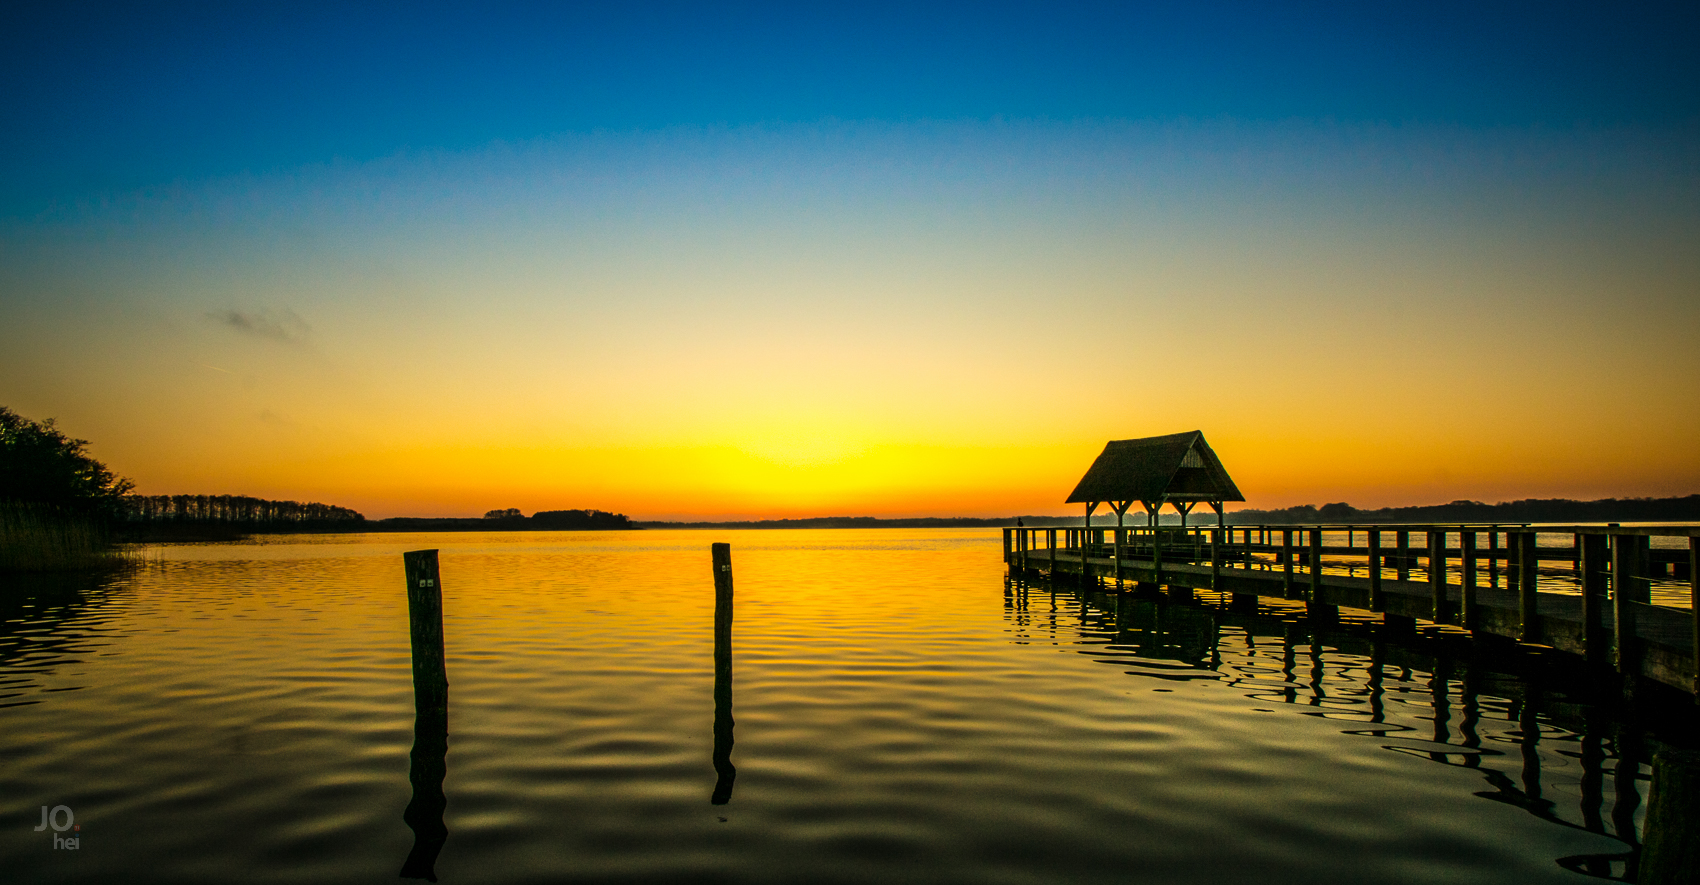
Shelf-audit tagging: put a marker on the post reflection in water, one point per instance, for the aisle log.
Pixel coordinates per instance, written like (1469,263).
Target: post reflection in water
(726,773)
(1384,690)
(424,814)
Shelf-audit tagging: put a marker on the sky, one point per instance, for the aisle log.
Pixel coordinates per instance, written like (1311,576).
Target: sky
(751,261)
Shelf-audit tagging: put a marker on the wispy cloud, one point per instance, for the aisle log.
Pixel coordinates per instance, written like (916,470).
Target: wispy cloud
(284,326)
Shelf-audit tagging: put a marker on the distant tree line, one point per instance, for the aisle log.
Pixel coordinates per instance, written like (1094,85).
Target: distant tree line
(1553,510)
(508,520)
(240,511)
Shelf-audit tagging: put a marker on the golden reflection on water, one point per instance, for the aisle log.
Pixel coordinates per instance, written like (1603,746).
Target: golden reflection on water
(245,710)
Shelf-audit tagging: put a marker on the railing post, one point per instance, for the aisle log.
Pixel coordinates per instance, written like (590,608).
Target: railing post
(1315,565)
(1467,583)
(1437,573)
(1493,557)
(1287,563)
(1527,572)
(1694,607)
(1216,559)
(1376,603)
(1623,580)
(1403,540)
(1051,549)
(1595,555)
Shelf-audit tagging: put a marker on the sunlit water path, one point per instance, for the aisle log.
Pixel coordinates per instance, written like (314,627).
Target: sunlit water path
(244,712)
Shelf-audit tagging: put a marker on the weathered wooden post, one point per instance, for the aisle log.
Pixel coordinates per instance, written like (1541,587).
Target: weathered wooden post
(425,616)
(721,557)
(428,761)
(1006,534)
(1051,550)
(1467,583)
(1376,603)
(1596,645)
(1437,574)
(1670,853)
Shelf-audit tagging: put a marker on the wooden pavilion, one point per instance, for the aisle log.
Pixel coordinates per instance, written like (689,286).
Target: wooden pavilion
(1179,470)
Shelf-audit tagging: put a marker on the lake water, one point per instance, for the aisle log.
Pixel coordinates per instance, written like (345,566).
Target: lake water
(244,712)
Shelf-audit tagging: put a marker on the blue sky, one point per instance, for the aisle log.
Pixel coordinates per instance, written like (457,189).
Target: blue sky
(112,98)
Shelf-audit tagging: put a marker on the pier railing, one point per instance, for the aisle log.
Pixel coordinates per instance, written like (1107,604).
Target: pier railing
(1624,597)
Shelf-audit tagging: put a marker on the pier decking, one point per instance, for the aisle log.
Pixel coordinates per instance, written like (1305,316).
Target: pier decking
(1592,597)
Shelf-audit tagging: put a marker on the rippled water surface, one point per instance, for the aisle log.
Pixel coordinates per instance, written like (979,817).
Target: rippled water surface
(244,712)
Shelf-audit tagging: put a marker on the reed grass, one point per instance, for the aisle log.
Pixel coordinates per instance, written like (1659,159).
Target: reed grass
(34,538)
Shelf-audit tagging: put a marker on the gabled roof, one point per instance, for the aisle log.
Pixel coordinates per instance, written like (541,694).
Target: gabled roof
(1177,467)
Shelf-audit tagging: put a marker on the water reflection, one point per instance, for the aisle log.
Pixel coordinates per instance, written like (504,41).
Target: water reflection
(1426,701)
(424,814)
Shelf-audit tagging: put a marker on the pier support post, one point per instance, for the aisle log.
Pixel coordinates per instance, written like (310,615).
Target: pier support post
(725,772)
(1669,852)
(1376,603)
(1051,550)
(1596,645)
(1006,533)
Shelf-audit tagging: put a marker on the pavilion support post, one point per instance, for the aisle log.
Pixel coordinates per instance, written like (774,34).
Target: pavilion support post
(1376,602)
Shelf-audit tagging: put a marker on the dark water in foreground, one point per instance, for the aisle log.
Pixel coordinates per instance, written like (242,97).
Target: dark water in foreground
(244,712)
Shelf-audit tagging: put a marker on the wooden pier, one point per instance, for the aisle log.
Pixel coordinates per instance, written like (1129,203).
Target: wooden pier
(1590,595)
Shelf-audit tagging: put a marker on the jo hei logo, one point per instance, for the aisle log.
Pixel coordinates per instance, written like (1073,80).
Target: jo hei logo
(52,819)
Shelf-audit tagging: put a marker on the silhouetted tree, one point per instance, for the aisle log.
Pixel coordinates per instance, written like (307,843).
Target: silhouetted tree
(41,465)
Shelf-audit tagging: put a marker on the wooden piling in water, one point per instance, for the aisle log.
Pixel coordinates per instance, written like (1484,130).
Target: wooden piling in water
(725,772)
(425,618)
(428,760)
(1596,644)
(1528,570)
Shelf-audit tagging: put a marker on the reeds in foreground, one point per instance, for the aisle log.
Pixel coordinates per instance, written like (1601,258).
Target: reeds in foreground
(34,538)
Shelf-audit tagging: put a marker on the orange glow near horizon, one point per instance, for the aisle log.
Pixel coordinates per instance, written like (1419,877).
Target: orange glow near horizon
(869,328)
